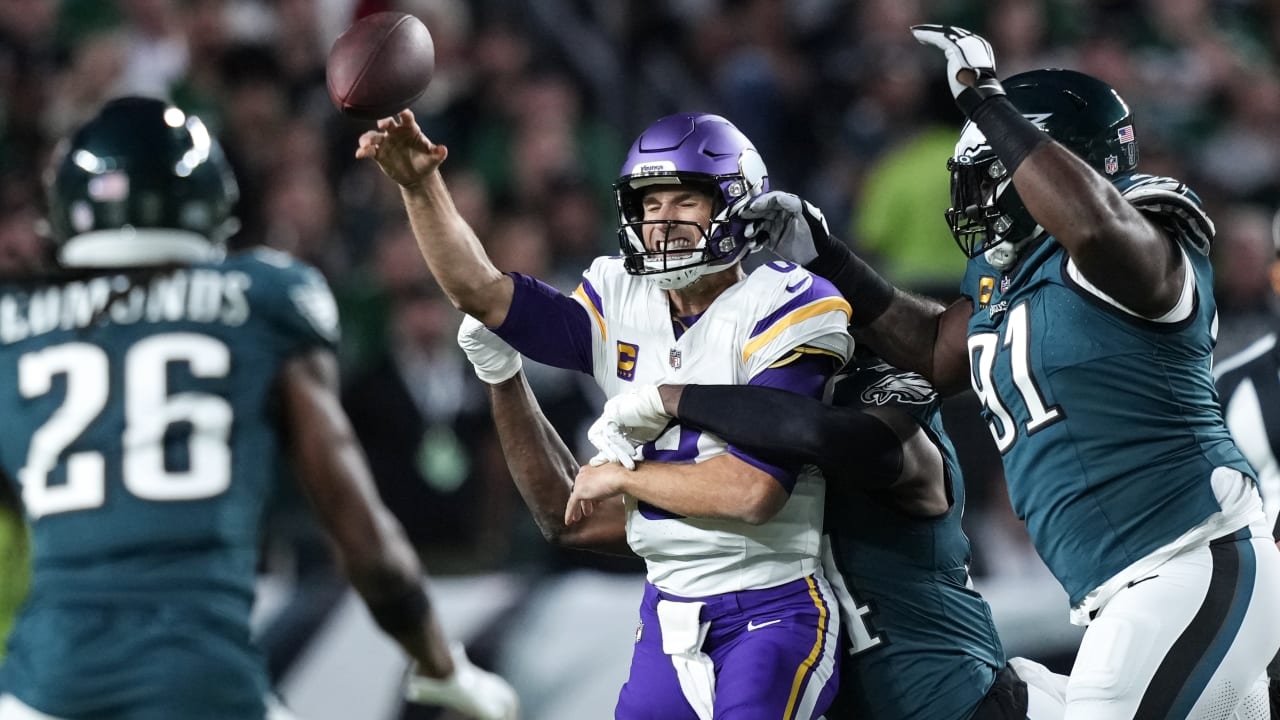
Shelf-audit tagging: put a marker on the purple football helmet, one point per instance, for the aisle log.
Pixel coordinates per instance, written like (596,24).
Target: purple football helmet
(709,153)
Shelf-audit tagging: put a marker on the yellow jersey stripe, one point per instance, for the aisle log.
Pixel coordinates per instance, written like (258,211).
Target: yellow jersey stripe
(795,317)
(582,297)
(803,671)
(799,352)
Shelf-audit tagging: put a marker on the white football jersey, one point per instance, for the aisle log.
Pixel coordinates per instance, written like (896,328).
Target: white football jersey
(754,324)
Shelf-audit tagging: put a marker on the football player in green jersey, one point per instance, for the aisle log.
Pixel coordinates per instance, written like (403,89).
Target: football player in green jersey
(1086,330)
(151,388)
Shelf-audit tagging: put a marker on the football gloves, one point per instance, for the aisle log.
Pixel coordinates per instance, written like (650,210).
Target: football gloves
(628,421)
(493,359)
(471,691)
(964,51)
(788,225)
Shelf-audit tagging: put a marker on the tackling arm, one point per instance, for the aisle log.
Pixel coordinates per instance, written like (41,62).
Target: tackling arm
(733,485)
(910,332)
(543,469)
(919,334)
(878,448)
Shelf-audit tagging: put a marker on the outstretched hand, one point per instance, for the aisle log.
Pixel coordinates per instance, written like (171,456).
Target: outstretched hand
(401,149)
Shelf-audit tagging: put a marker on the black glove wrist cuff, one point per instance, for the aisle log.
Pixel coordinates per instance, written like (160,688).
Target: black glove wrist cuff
(970,99)
(1009,134)
(868,293)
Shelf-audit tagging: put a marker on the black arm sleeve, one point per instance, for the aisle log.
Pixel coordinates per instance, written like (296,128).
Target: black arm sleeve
(868,293)
(846,443)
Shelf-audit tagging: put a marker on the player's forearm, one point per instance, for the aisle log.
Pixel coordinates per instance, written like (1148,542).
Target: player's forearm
(847,443)
(454,254)
(543,469)
(722,487)
(909,335)
(742,416)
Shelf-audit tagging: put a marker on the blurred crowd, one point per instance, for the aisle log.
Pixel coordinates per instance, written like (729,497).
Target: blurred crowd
(538,100)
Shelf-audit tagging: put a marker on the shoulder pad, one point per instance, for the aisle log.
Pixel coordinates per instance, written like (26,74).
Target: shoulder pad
(1172,205)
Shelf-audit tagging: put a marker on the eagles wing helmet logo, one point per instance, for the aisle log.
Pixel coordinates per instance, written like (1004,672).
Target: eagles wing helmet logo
(908,388)
(1038,119)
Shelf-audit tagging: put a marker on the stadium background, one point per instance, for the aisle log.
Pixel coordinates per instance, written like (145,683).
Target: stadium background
(537,100)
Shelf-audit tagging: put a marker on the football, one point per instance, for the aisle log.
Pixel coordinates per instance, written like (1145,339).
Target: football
(380,65)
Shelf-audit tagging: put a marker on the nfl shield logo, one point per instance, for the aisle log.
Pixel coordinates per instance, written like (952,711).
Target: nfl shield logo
(1112,164)
(674,358)
(1005,282)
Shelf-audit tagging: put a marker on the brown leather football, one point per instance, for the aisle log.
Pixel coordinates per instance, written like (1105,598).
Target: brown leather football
(380,65)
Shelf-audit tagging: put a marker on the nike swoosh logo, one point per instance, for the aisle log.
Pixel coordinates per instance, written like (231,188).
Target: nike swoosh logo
(803,282)
(751,625)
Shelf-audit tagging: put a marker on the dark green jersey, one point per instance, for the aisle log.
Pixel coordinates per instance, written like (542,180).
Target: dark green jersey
(142,431)
(1108,423)
(924,645)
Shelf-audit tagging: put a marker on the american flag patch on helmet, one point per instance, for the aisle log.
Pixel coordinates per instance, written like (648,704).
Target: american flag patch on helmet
(1125,134)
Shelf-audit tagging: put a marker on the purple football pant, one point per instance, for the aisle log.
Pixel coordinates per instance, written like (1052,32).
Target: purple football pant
(774,653)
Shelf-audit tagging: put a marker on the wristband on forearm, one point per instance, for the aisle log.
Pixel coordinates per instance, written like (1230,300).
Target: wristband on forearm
(1009,134)
(973,97)
(868,293)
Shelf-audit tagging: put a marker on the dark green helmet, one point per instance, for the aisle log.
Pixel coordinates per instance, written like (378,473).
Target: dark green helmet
(1083,113)
(142,183)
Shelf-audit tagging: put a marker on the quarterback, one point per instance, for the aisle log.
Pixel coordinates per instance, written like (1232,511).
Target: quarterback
(737,619)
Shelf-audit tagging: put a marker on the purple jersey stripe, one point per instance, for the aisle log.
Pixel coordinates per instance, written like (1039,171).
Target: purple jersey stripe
(547,326)
(818,289)
(593,296)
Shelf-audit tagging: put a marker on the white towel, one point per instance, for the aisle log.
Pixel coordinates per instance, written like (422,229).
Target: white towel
(682,636)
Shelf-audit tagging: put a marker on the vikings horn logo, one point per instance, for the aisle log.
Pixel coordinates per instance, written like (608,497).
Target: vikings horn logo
(907,388)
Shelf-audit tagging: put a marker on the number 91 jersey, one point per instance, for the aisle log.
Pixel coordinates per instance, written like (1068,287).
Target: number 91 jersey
(140,425)
(1108,423)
